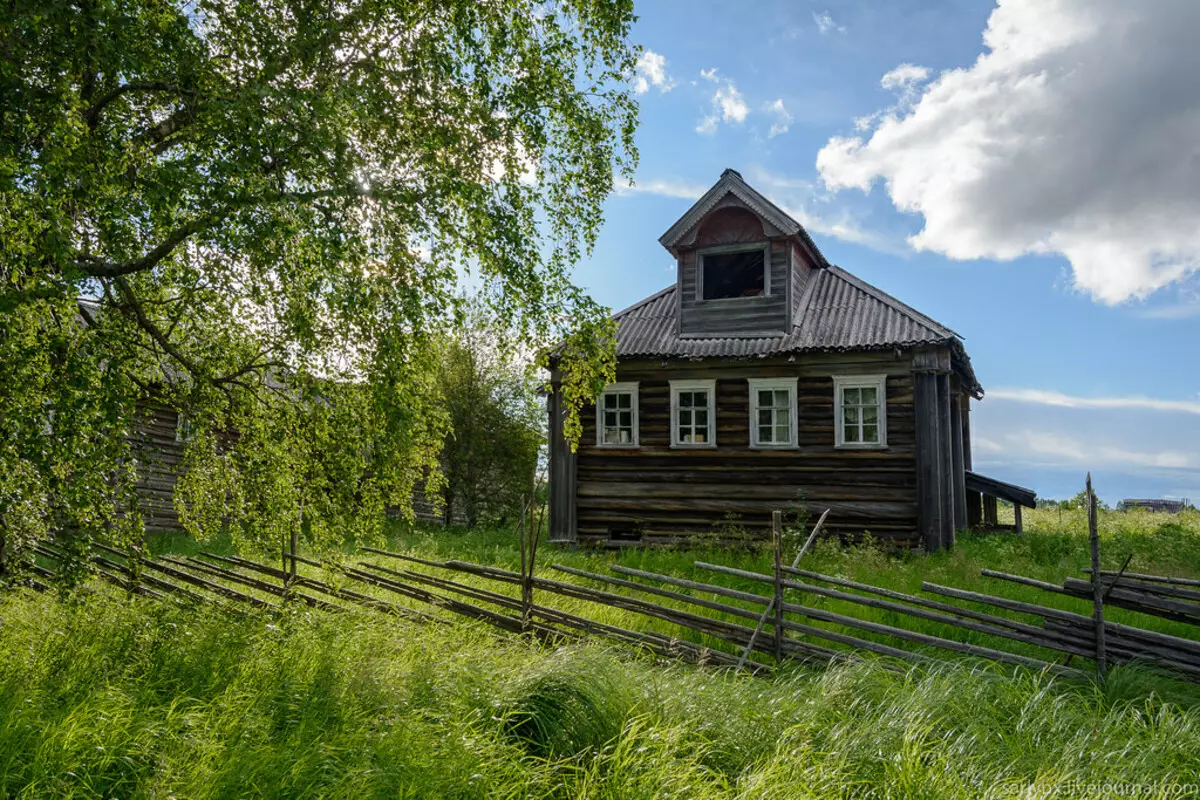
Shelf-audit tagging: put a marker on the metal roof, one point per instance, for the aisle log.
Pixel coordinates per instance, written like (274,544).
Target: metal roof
(838,312)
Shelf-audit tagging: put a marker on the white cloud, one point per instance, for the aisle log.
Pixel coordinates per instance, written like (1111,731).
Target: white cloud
(728,105)
(801,200)
(904,76)
(1058,449)
(825,23)
(1076,132)
(651,70)
(781,119)
(1050,398)
(664,188)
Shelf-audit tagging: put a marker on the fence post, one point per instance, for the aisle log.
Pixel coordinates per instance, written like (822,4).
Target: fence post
(1097,583)
(777,535)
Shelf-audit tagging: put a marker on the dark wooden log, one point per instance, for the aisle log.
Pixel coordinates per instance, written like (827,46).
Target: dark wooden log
(1151,578)
(1029,635)
(1156,605)
(958,475)
(929,499)
(1061,615)
(991,513)
(1096,586)
(946,460)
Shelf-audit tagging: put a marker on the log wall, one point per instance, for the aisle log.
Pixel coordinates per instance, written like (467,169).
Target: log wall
(666,493)
(159,458)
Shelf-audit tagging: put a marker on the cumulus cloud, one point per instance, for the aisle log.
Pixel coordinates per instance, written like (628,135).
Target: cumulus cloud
(904,76)
(728,105)
(826,25)
(1076,132)
(651,70)
(780,118)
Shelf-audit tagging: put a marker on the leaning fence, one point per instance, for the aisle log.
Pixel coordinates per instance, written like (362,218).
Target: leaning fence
(710,623)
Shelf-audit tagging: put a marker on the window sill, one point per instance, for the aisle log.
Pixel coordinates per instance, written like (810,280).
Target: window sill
(690,446)
(774,447)
(852,446)
(617,446)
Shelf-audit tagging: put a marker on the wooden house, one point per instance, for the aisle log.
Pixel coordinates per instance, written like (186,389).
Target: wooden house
(766,378)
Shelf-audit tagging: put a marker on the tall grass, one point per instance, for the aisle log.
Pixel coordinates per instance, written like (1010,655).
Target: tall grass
(101,696)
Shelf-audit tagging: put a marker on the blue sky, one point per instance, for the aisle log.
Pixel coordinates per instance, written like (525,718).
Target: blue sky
(1054,222)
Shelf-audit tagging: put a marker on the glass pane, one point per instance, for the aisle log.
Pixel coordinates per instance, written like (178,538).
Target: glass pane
(610,435)
(781,398)
(850,396)
(850,415)
(870,414)
(850,433)
(764,397)
(610,419)
(685,399)
(608,401)
(868,396)
(626,419)
(764,434)
(624,400)
(684,435)
(783,433)
(764,416)
(701,416)
(685,417)
(871,433)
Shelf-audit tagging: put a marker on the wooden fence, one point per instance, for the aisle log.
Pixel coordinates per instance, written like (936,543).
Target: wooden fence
(781,621)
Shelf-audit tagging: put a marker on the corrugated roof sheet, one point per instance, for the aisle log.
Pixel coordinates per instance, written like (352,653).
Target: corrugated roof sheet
(837,312)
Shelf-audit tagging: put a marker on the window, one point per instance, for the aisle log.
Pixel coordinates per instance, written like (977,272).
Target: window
(693,413)
(184,432)
(861,411)
(729,273)
(617,416)
(773,412)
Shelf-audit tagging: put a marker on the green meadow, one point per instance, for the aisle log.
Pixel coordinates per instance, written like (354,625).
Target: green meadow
(103,695)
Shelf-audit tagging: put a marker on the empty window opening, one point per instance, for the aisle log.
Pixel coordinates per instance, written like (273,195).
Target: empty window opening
(738,274)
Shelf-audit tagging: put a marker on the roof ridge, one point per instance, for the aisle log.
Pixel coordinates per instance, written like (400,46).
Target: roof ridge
(644,301)
(897,304)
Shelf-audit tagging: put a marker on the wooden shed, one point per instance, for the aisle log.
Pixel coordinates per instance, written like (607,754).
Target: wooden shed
(766,378)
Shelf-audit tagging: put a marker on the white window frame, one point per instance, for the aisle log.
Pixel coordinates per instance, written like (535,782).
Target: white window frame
(773,384)
(709,386)
(727,249)
(877,382)
(623,387)
(183,428)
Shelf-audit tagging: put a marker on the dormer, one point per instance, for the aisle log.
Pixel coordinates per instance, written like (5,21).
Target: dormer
(742,263)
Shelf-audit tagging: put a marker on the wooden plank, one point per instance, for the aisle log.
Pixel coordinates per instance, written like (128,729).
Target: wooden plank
(958,476)
(929,503)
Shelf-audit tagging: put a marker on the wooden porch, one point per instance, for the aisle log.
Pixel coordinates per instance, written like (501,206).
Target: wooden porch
(983,494)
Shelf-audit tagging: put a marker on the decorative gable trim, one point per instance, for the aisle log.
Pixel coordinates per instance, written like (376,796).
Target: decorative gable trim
(730,182)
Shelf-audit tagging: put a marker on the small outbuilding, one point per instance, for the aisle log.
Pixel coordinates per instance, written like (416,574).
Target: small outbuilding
(766,378)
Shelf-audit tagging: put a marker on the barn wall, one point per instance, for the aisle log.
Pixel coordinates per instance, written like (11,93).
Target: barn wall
(159,458)
(667,493)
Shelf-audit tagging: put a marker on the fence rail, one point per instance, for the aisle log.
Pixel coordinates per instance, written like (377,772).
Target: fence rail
(724,625)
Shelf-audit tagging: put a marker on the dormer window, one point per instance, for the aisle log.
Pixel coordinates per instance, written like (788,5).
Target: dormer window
(734,271)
